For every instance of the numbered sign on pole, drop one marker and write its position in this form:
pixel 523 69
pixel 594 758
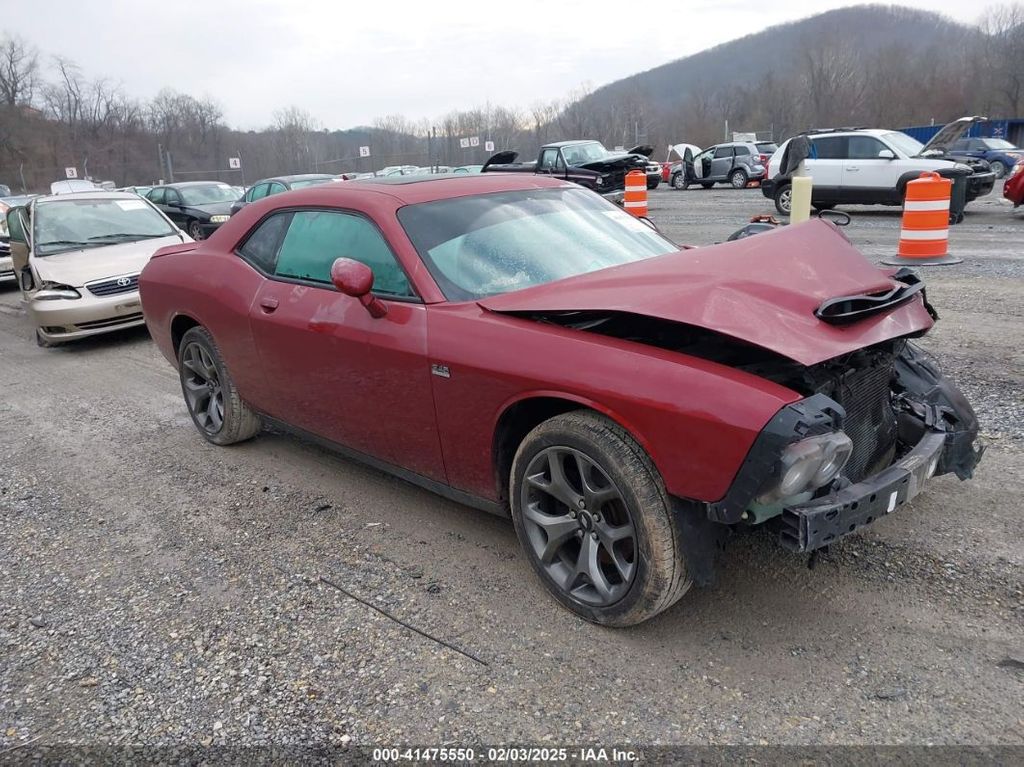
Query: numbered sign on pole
pixel 488 146
pixel 474 141
pixel 464 143
pixel 71 172
pixel 364 151
pixel 235 163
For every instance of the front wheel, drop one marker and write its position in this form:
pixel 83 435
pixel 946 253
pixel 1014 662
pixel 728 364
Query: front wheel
pixel 210 394
pixel 784 199
pixel 738 179
pixel 679 181
pixel 998 168
pixel 595 520
pixel 194 231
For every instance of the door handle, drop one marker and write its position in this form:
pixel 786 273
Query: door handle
pixel 853 169
pixel 268 305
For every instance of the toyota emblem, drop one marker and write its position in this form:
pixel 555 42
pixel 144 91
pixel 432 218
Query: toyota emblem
pixel 124 281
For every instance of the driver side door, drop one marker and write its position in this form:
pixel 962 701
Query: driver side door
pixel 333 370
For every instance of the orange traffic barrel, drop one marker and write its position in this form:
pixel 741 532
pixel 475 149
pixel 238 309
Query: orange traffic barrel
pixel 924 235
pixel 636 193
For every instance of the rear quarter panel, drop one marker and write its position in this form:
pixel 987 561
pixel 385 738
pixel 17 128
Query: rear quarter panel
pixel 696 419
pixel 216 290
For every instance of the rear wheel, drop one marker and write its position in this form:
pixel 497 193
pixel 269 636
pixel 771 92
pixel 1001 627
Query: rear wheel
pixel 738 179
pixel 210 394
pixel 595 520
pixel 784 199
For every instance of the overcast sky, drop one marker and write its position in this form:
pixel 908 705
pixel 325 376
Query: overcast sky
pixel 348 62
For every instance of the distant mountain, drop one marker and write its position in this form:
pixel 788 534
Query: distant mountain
pixel 868 27
pixel 861 63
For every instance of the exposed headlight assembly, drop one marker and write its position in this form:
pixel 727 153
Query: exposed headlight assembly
pixel 807 465
pixel 54 291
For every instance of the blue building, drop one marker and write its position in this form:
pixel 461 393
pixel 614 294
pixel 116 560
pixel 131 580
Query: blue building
pixel 1012 130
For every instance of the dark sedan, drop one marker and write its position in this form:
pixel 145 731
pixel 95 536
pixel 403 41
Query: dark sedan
pixel 198 207
pixel 269 186
pixel 999 153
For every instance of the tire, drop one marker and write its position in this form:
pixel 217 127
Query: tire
pixel 194 231
pixel 738 179
pixel 998 168
pixel 707 184
pixel 653 184
pixel 679 181
pixel 783 199
pixel 623 503
pixel 225 419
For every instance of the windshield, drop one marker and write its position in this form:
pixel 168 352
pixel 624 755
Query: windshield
pixel 998 143
pixel 904 143
pixel 577 154
pixel 63 225
pixel 310 182
pixel 204 195
pixel 497 243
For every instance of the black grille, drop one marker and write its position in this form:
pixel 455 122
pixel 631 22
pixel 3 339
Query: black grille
pixel 114 286
pixel 870 419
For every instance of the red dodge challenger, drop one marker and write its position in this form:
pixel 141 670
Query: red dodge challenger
pixel 521 345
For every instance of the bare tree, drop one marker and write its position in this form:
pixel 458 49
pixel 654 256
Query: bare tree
pixel 19 71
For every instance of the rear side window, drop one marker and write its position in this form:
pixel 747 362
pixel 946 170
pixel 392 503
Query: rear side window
pixel 276 188
pixel 829 148
pixel 261 247
pixel 316 238
pixel 742 151
pixel 723 151
pixel 258 192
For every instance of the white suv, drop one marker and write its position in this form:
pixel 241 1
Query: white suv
pixel 871 167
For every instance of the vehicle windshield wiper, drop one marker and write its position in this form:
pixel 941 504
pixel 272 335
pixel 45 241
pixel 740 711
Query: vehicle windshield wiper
pixel 125 235
pixel 64 242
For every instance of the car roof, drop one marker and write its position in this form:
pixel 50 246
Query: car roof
pixel 410 190
pixel 99 194
pixel 294 177
pixel 186 184
pixel 571 143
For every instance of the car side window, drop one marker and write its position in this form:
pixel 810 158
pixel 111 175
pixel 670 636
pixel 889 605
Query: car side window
pixel 548 158
pixel 559 162
pixel 723 151
pixel 275 188
pixel 173 198
pixel 316 238
pixel 829 148
pixel 260 248
pixel 157 195
pixel 742 151
pixel 864 148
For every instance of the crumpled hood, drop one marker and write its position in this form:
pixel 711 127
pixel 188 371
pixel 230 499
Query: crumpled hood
pixel 616 161
pixel 762 290
pixel 77 267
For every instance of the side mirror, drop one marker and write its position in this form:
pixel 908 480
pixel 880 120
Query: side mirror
pixel 887 154
pixel 355 279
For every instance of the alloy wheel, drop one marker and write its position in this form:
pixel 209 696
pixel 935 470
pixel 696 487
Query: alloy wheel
pixel 786 199
pixel 194 231
pixel 998 169
pixel 738 180
pixel 203 391
pixel 579 526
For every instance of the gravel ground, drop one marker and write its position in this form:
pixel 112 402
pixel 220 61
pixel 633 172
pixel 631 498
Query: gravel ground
pixel 160 591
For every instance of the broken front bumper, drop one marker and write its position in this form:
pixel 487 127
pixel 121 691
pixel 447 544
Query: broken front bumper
pixel 823 521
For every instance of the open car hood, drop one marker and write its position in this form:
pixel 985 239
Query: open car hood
pixel 644 149
pixel 762 290
pixel 615 161
pixel 950 133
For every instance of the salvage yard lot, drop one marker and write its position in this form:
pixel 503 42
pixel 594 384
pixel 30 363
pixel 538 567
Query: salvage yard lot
pixel 158 589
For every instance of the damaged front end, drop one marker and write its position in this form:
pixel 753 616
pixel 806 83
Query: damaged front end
pixel 886 419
